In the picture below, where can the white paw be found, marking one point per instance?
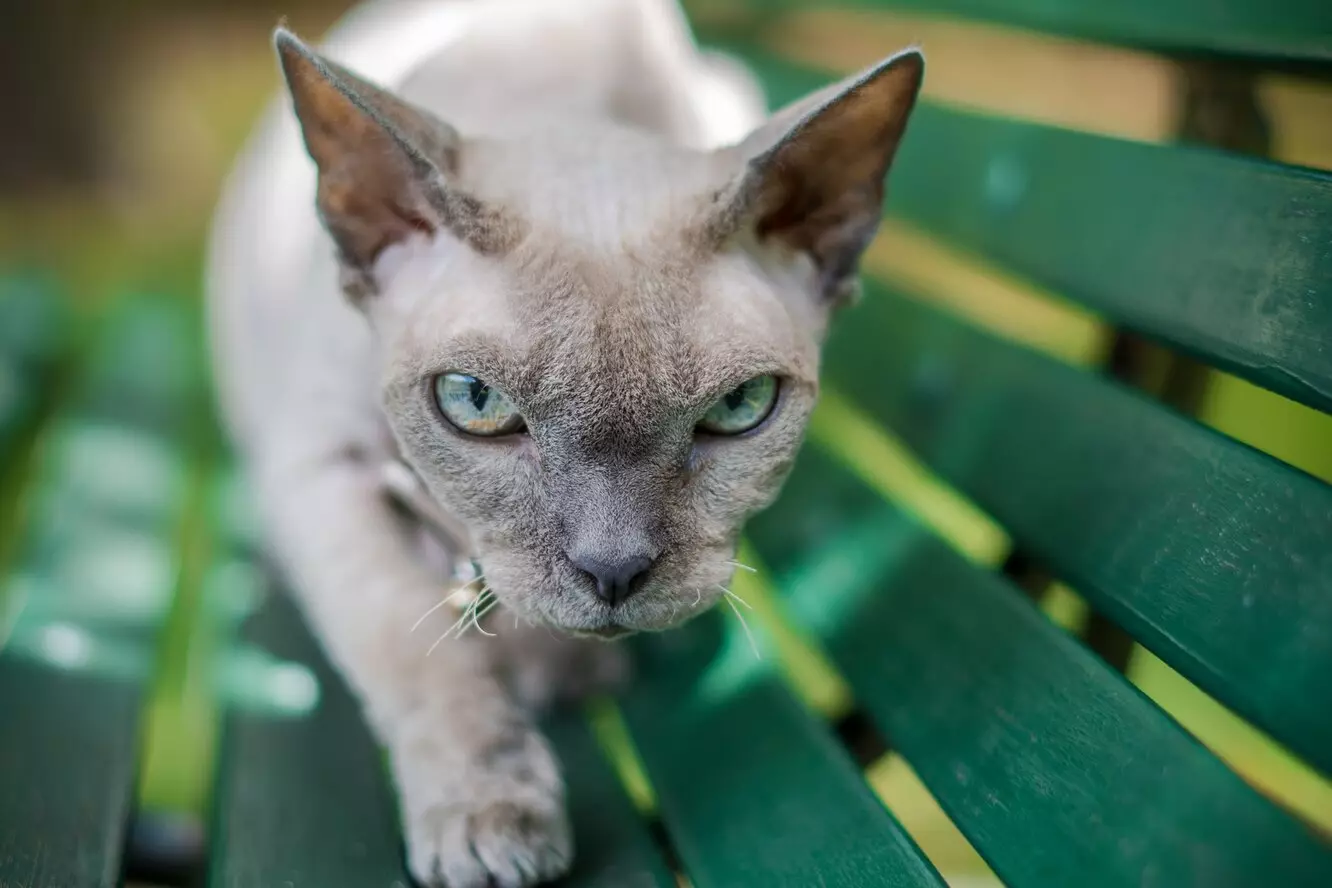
(504, 843)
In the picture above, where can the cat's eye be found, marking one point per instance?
(476, 407)
(742, 408)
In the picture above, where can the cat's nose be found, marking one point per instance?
(616, 578)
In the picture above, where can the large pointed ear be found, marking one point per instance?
(383, 163)
(813, 174)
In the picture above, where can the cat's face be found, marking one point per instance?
(601, 351)
(604, 442)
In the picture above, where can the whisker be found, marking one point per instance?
(698, 596)
(447, 633)
(450, 597)
(460, 626)
(736, 597)
(437, 643)
(440, 640)
(753, 645)
(743, 566)
(469, 615)
(476, 616)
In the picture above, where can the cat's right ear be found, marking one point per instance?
(812, 177)
(383, 163)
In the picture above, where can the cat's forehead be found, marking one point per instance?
(608, 189)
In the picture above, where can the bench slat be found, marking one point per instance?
(753, 789)
(67, 765)
(31, 342)
(302, 800)
(1226, 258)
(1019, 731)
(1292, 29)
(306, 801)
(94, 574)
(1215, 556)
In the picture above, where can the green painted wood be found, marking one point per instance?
(32, 329)
(753, 789)
(33, 318)
(67, 756)
(94, 573)
(1056, 769)
(1226, 258)
(303, 800)
(1214, 555)
(613, 846)
(1289, 29)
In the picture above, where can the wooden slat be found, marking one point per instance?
(1215, 556)
(305, 801)
(613, 848)
(302, 800)
(1226, 258)
(752, 788)
(1010, 72)
(31, 338)
(94, 573)
(66, 776)
(32, 318)
(1054, 767)
(1291, 29)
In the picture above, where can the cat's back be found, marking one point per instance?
(285, 343)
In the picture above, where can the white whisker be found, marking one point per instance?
(447, 632)
(477, 615)
(742, 566)
(460, 626)
(736, 597)
(450, 597)
(469, 616)
(698, 596)
(753, 645)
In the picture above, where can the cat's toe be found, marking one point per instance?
(501, 844)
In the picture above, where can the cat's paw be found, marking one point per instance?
(504, 843)
(492, 818)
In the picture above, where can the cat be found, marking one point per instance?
(562, 264)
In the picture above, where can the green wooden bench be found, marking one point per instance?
(1213, 555)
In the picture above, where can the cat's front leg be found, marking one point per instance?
(480, 791)
(481, 795)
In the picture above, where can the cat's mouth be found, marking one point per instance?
(609, 633)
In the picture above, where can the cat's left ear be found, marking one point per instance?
(383, 163)
(813, 174)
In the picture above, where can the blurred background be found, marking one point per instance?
(120, 120)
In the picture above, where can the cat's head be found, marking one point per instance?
(600, 350)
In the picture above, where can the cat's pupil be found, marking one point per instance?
(479, 393)
(736, 398)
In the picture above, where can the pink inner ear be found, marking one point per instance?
(821, 190)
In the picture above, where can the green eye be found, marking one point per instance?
(474, 407)
(743, 408)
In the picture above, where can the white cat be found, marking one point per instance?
(569, 274)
